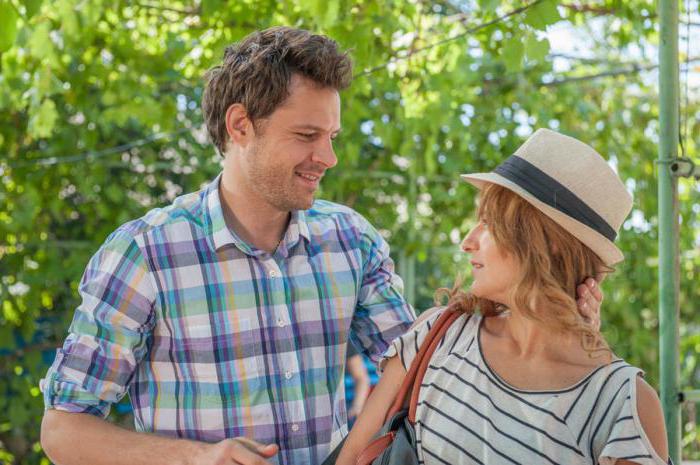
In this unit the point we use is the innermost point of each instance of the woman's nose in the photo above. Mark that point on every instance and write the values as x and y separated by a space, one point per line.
469 243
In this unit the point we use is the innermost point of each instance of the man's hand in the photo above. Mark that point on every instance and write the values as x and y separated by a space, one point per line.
236 451
589 298
102 443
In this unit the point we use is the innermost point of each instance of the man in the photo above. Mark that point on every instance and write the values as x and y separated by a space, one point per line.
225 315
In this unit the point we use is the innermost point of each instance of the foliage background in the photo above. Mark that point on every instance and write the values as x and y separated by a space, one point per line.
100 121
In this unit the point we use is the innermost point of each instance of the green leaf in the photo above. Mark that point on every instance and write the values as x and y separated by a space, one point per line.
489 5
8 25
542 15
210 6
32 7
19 413
325 12
114 193
535 49
331 15
42 122
69 19
40 44
513 50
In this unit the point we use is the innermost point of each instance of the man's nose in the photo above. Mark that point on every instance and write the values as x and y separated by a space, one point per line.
325 154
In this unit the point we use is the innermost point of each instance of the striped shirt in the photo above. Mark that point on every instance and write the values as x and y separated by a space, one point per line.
467 414
213 338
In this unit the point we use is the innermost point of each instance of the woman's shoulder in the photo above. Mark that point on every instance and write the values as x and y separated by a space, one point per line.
614 377
626 415
426 320
408 345
651 416
429 315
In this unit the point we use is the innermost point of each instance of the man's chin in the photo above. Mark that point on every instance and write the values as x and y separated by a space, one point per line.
297 204
305 204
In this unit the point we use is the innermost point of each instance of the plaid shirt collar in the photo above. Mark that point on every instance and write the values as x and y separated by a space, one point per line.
223 236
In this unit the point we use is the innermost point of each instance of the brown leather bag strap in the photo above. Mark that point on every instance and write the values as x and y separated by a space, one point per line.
425 361
425 352
375 448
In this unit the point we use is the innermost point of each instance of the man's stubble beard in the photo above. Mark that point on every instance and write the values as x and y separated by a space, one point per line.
275 186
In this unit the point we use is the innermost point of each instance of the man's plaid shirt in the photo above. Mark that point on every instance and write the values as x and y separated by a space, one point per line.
213 338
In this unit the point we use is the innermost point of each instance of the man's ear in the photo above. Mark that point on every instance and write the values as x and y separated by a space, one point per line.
238 126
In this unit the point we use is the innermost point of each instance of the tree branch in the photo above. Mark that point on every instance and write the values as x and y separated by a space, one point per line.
587 9
615 72
404 54
194 11
610 11
8 359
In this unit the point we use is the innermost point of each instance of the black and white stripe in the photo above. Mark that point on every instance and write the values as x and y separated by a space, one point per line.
468 415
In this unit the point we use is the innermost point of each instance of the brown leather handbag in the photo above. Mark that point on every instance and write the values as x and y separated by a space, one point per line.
395 443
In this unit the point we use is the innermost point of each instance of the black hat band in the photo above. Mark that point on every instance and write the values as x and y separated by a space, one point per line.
548 190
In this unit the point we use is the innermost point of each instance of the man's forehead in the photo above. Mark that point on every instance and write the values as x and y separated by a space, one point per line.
310 107
315 127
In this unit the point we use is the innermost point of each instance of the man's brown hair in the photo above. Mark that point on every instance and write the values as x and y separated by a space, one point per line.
256 73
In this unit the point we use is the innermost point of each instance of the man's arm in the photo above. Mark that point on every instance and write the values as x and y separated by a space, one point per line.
382 313
83 439
107 340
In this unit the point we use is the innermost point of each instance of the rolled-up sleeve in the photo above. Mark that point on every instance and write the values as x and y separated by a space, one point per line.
109 332
382 314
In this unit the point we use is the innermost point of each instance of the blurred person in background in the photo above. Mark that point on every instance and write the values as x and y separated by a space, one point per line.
359 380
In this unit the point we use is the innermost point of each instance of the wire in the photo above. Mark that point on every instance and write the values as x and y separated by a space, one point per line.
471 30
92 155
611 73
50 161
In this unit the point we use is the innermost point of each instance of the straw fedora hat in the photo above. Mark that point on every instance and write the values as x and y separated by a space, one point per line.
569 182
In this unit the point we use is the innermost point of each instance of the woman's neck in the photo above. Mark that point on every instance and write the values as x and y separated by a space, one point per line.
527 338
529 355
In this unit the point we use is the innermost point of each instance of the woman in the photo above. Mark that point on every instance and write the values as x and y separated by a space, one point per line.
521 377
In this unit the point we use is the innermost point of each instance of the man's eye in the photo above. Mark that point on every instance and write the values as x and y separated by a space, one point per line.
306 135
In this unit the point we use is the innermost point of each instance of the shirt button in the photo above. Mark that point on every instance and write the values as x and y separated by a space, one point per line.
295 427
280 323
273 274
288 375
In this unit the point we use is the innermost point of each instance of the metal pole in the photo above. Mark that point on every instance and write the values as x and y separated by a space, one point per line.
410 269
668 224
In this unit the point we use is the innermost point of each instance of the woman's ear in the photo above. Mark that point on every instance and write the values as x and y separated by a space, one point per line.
554 249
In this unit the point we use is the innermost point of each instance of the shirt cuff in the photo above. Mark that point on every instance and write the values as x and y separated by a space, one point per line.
70 397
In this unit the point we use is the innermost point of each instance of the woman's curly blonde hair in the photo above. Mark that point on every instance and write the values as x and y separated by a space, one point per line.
552 264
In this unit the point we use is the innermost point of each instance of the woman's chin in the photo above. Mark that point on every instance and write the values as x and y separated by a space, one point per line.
477 291
482 293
